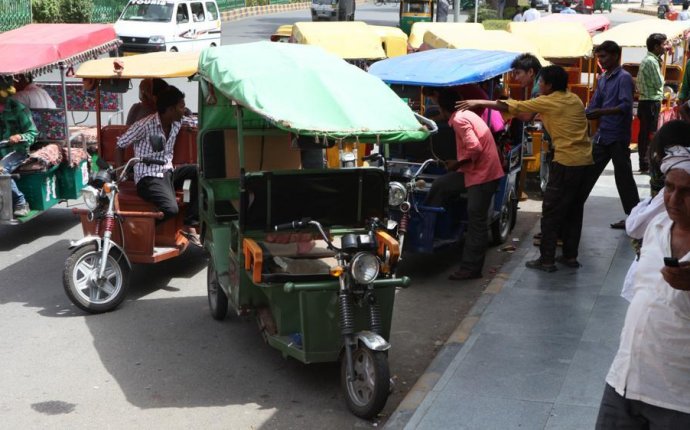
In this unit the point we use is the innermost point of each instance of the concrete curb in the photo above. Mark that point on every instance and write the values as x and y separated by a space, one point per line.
642 11
455 343
244 12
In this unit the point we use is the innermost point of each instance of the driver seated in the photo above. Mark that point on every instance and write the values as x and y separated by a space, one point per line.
157 183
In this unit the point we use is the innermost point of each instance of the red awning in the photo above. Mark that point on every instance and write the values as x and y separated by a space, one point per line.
39 48
592 23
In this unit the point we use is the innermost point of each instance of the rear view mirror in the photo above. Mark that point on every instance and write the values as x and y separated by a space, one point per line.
157 142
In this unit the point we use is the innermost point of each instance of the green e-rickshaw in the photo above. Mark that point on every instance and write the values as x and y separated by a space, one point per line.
412 11
298 245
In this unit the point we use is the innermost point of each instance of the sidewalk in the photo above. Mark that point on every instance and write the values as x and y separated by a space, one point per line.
534 350
649 8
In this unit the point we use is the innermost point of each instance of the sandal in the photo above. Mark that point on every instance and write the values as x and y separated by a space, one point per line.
569 262
539 265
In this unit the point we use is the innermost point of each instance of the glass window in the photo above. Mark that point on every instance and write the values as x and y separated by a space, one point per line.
148 11
212 11
182 13
198 12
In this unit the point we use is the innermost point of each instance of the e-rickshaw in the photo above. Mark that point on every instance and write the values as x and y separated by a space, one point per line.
632 37
120 228
422 228
569 45
37 49
301 247
413 11
419 29
592 23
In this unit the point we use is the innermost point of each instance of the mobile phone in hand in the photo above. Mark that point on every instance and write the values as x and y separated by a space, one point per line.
671 262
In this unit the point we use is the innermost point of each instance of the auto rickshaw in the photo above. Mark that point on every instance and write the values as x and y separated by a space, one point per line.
412 11
569 45
419 29
422 228
301 246
33 50
592 23
120 228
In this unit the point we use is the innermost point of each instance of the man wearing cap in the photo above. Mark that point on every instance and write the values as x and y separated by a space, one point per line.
18 129
648 385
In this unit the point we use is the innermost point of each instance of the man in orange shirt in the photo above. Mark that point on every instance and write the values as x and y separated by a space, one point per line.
477 170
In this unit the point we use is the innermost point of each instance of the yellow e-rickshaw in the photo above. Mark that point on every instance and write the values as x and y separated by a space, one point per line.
419 29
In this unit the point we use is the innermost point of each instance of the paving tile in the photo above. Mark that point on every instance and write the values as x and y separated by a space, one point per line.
606 320
572 417
525 312
523 368
584 382
470 411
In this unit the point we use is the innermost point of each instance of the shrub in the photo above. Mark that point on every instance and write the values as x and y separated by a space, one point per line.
45 10
76 11
496 24
485 13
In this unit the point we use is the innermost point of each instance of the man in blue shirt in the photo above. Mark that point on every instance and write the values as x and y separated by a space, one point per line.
612 105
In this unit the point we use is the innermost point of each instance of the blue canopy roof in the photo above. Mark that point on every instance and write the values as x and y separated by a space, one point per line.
443 67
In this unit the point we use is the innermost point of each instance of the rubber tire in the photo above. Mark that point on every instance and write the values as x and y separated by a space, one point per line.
71 289
381 381
500 229
173 49
217 299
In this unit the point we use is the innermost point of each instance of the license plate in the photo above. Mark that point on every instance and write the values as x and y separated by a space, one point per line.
128 54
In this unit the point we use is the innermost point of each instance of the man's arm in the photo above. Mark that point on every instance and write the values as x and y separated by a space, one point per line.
27 129
481 104
624 100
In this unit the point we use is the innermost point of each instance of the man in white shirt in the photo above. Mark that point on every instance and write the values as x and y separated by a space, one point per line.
31 95
532 13
648 385
684 15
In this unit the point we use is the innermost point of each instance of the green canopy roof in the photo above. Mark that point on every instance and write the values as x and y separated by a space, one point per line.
308 91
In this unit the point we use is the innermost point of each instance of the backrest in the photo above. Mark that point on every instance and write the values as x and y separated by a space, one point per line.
184 151
50 124
345 197
78 99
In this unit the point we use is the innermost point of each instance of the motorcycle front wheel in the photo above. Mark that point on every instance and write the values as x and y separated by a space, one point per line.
84 289
366 393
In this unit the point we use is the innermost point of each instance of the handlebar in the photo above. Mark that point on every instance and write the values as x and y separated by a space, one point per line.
132 161
6 142
298 225
148 160
431 125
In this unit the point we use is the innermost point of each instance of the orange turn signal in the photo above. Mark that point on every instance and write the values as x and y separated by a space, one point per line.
336 271
107 188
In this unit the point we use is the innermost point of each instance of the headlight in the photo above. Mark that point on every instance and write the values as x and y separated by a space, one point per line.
364 267
157 39
396 193
90 195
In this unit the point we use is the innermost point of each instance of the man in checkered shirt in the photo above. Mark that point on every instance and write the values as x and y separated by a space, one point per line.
157 183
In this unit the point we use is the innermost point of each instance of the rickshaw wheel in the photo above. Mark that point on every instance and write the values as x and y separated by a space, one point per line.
78 280
500 229
367 393
217 300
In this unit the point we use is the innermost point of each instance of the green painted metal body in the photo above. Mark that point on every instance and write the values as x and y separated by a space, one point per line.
406 22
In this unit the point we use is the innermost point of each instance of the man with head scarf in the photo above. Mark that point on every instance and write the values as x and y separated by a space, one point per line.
648 385
18 129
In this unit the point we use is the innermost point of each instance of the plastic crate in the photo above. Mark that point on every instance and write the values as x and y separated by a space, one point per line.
40 188
72 179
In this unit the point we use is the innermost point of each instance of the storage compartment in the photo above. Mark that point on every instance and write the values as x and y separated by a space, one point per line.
72 179
40 188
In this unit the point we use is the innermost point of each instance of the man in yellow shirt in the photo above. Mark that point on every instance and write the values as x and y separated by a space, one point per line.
563 115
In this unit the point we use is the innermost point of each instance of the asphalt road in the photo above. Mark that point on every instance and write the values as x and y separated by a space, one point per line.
161 361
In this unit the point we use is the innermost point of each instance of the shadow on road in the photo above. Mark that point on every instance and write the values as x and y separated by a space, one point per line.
52 222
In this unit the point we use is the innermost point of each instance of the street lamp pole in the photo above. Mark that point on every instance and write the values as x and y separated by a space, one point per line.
456 10
476 9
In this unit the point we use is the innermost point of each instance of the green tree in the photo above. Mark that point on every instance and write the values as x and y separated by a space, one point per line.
76 11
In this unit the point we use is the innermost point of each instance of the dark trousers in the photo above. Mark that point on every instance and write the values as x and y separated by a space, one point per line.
161 191
562 210
619 153
618 413
648 114
478 203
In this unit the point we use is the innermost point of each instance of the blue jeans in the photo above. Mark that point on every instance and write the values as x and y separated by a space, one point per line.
10 162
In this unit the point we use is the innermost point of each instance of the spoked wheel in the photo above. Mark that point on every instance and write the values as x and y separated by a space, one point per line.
85 290
217 300
366 393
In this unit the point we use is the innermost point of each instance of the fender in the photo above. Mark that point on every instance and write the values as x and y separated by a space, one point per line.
98 241
373 341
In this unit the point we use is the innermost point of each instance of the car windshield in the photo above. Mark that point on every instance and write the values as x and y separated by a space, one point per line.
148 10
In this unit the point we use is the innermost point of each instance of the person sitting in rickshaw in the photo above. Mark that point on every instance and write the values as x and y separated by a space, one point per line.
31 95
149 88
17 127
155 183
477 171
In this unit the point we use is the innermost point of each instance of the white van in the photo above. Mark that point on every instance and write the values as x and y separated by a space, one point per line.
168 25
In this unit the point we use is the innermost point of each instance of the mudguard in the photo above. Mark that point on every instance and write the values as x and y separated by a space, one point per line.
99 240
373 341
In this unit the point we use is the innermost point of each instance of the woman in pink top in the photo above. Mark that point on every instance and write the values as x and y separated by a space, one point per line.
476 171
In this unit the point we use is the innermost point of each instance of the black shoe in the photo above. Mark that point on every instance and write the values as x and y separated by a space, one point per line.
569 262
464 274
193 238
539 265
620 225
